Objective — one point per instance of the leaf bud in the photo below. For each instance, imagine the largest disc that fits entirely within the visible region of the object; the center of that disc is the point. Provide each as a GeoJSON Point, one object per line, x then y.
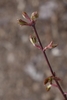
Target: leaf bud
{"type": "Point", "coordinates": [21, 22]}
{"type": "Point", "coordinates": [48, 87]}
{"type": "Point", "coordinates": [34, 16]}
{"type": "Point", "coordinates": [33, 40]}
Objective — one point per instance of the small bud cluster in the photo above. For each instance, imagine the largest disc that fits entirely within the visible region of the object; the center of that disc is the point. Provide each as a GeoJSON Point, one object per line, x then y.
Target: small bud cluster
{"type": "Point", "coordinates": [50, 81]}
{"type": "Point", "coordinates": [31, 20]}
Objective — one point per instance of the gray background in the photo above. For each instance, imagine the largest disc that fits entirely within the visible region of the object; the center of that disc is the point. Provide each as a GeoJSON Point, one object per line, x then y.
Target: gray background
{"type": "Point", "coordinates": [22, 66]}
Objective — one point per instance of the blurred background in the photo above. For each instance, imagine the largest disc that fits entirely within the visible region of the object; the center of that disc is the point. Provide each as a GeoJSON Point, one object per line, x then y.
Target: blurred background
{"type": "Point", "coordinates": [22, 66]}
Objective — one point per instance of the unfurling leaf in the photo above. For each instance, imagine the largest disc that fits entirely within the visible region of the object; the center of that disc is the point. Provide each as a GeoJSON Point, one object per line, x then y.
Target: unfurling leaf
{"type": "Point", "coordinates": [50, 46]}
{"type": "Point", "coordinates": [33, 40]}
{"type": "Point", "coordinates": [48, 79]}
{"type": "Point", "coordinates": [21, 22]}
{"type": "Point", "coordinates": [48, 87]}
{"type": "Point", "coordinates": [34, 16]}
{"type": "Point", "coordinates": [25, 15]}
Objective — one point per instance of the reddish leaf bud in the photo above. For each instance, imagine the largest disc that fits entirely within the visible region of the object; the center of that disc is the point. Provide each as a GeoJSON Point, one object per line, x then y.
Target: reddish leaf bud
{"type": "Point", "coordinates": [48, 79]}
{"type": "Point", "coordinates": [25, 15]}
{"type": "Point", "coordinates": [50, 46]}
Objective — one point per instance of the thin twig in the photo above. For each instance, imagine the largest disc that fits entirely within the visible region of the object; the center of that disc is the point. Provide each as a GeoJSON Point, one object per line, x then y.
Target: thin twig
{"type": "Point", "coordinates": [53, 73]}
